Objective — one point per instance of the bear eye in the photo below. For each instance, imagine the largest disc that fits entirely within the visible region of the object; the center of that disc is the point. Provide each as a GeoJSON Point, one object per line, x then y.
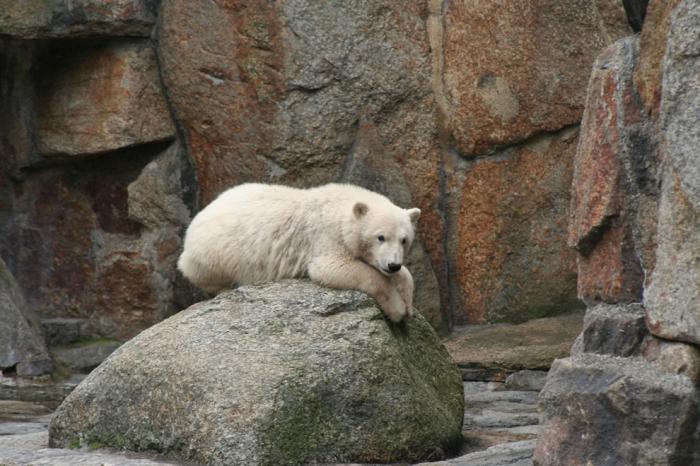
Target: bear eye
{"type": "Point", "coordinates": [403, 241]}
{"type": "Point", "coordinates": [381, 238]}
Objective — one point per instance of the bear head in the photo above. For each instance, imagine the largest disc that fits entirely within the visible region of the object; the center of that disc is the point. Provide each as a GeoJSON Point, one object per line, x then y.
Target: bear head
{"type": "Point", "coordinates": [382, 235]}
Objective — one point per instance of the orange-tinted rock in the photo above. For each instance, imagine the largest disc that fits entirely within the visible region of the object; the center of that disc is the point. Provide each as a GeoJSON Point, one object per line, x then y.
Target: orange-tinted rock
{"type": "Point", "coordinates": [99, 97]}
{"type": "Point", "coordinates": [222, 65]}
{"type": "Point", "coordinates": [511, 261]}
{"type": "Point", "coordinates": [614, 191]}
{"type": "Point", "coordinates": [512, 69]}
{"type": "Point", "coordinates": [652, 45]}
{"type": "Point", "coordinates": [40, 19]}
{"type": "Point", "coordinates": [126, 299]}
{"type": "Point", "coordinates": [597, 169]}
{"type": "Point", "coordinates": [611, 272]}
{"type": "Point", "coordinates": [274, 91]}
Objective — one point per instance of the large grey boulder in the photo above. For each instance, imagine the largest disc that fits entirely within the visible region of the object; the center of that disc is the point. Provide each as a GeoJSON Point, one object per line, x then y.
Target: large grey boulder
{"type": "Point", "coordinates": [21, 342]}
{"type": "Point", "coordinates": [607, 410]}
{"type": "Point", "coordinates": [281, 373]}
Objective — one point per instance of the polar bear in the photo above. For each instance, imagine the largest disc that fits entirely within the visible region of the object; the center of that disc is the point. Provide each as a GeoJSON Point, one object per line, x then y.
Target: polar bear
{"type": "Point", "coordinates": [339, 235]}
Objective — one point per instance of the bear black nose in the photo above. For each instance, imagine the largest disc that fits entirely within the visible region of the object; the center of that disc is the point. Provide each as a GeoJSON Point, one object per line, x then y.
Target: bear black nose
{"type": "Point", "coordinates": [394, 267]}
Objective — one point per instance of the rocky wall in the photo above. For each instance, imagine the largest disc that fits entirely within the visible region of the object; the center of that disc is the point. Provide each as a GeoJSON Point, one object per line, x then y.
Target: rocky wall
{"type": "Point", "coordinates": [129, 117]}
{"type": "Point", "coordinates": [629, 392]}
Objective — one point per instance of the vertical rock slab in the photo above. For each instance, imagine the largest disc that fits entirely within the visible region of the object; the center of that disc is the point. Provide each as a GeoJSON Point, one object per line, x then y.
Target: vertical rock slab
{"type": "Point", "coordinates": [513, 69]}
{"type": "Point", "coordinates": [95, 97]}
{"type": "Point", "coordinates": [510, 259]}
{"type": "Point", "coordinates": [673, 299]}
{"type": "Point", "coordinates": [615, 194]}
{"type": "Point", "coordinates": [22, 344]}
{"type": "Point", "coordinates": [607, 410]}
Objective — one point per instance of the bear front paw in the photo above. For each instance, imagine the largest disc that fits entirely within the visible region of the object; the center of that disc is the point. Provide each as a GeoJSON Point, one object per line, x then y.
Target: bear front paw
{"type": "Point", "coordinates": [393, 306]}
{"type": "Point", "coordinates": [403, 281]}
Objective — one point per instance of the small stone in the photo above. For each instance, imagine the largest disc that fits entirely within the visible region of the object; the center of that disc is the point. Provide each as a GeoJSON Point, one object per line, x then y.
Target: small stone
{"type": "Point", "coordinates": [512, 454]}
{"type": "Point", "coordinates": [618, 330]}
{"type": "Point", "coordinates": [526, 380]}
{"type": "Point", "coordinates": [62, 330]}
{"type": "Point", "coordinates": [37, 389]}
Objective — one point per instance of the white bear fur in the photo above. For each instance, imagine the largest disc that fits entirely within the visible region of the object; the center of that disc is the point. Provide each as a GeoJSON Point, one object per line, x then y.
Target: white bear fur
{"type": "Point", "coordinates": [257, 232]}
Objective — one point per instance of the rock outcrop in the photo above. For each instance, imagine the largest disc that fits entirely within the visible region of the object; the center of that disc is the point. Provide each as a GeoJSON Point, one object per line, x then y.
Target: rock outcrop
{"type": "Point", "coordinates": [282, 373]}
{"type": "Point", "coordinates": [629, 393]}
{"type": "Point", "coordinates": [22, 346]}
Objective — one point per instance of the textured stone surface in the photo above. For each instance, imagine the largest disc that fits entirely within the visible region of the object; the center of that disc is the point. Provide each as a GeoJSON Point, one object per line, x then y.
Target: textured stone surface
{"type": "Point", "coordinates": [617, 330]}
{"type": "Point", "coordinates": [22, 343]}
{"type": "Point", "coordinates": [76, 251]}
{"type": "Point", "coordinates": [673, 298]}
{"type": "Point", "coordinates": [155, 197]}
{"type": "Point", "coordinates": [284, 372]}
{"type": "Point", "coordinates": [607, 410]}
{"type": "Point", "coordinates": [614, 195]}
{"type": "Point", "coordinates": [652, 43]}
{"type": "Point", "coordinates": [99, 96]}
{"type": "Point", "coordinates": [681, 97]}
{"type": "Point", "coordinates": [61, 330]}
{"type": "Point", "coordinates": [532, 345]}
{"type": "Point", "coordinates": [275, 91]}
{"type": "Point", "coordinates": [85, 355]}
{"type": "Point", "coordinates": [513, 453]}
{"type": "Point", "coordinates": [526, 75]}
{"type": "Point", "coordinates": [40, 19]}
{"type": "Point", "coordinates": [509, 252]}
{"type": "Point", "coordinates": [674, 357]}
{"type": "Point", "coordinates": [526, 380]}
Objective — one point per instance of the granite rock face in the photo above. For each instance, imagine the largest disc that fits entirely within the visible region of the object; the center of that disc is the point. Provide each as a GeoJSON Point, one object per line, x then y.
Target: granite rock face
{"type": "Point", "coordinates": [287, 372]}
{"type": "Point", "coordinates": [629, 393]}
{"type": "Point", "coordinates": [510, 257]}
{"type": "Point", "coordinates": [673, 299]}
{"type": "Point", "coordinates": [507, 82]}
{"type": "Point", "coordinates": [22, 344]}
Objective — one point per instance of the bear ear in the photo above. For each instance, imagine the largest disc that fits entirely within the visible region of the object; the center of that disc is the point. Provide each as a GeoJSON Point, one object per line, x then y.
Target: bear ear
{"type": "Point", "coordinates": [414, 214]}
{"type": "Point", "coordinates": [360, 209]}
